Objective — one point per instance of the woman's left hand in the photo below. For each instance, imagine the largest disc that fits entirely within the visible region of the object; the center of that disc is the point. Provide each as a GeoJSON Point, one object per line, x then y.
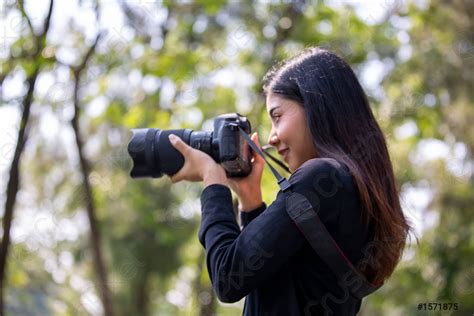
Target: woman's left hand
{"type": "Point", "coordinates": [198, 166]}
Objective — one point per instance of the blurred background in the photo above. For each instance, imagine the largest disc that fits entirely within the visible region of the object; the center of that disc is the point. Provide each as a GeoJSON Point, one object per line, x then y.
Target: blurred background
{"type": "Point", "coordinates": [80, 237]}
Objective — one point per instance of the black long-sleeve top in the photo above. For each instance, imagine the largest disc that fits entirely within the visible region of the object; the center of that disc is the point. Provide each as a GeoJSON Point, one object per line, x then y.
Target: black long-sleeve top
{"type": "Point", "coordinates": [269, 261]}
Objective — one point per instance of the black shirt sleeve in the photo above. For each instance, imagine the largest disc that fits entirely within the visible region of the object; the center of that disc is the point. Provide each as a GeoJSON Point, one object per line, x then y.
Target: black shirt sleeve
{"type": "Point", "coordinates": [240, 261]}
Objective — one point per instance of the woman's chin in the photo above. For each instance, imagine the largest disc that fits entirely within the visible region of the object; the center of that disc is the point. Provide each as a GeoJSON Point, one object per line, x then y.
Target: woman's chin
{"type": "Point", "coordinates": [291, 167]}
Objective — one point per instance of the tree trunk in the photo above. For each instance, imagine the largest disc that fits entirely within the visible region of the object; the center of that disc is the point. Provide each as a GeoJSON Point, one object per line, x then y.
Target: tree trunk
{"type": "Point", "coordinates": [142, 298]}
{"type": "Point", "coordinates": [101, 272]}
{"type": "Point", "coordinates": [95, 233]}
{"type": "Point", "coordinates": [14, 174]}
{"type": "Point", "coordinates": [14, 183]}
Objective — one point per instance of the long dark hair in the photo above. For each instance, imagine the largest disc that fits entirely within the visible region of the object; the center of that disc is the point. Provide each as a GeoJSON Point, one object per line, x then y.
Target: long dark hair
{"type": "Point", "coordinates": [343, 127]}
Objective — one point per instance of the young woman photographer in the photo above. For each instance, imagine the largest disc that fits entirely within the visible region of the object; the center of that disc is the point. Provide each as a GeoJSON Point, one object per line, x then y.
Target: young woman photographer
{"type": "Point", "coordinates": [324, 129]}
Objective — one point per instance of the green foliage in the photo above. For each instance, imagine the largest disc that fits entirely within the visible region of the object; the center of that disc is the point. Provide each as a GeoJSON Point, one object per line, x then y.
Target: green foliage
{"type": "Point", "coordinates": [159, 69]}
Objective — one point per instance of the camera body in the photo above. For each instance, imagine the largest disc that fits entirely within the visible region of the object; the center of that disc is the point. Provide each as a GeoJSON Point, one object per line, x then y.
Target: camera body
{"type": "Point", "coordinates": [233, 151]}
{"type": "Point", "coordinates": [153, 155]}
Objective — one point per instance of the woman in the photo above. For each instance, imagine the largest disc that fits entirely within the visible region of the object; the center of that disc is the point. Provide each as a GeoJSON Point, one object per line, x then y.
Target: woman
{"type": "Point", "coordinates": [324, 129]}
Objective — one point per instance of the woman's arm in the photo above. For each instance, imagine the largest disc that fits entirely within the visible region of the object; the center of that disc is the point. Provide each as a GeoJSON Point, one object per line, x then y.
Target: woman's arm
{"type": "Point", "coordinates": [238, 262]}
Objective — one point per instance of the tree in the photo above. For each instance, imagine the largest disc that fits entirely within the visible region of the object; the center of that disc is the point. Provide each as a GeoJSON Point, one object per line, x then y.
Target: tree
{"type": "Point", "coordinates": [176, 65]}
{"type": "Point", "coordinates": [32, 69]}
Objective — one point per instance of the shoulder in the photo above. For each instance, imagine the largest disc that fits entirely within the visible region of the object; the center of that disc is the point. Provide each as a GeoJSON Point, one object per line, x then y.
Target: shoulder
{"type": "Point", "coordinates": [326, 178]}
{"type": "Point", "coordinates": [317, 169]}
{"type": "Point", "coordinates": [319, 164]}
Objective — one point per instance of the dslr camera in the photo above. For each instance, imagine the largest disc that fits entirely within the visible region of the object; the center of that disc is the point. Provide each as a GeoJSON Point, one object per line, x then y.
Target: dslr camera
{"type": "Point", "coordinates": [153, 155]}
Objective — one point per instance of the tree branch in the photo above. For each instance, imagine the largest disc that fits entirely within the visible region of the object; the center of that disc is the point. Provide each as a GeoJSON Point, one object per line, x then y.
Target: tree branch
{"type": "Point", "coordinates": [26, 17]}
{"type": "Point", "coordinates": [47, 21]}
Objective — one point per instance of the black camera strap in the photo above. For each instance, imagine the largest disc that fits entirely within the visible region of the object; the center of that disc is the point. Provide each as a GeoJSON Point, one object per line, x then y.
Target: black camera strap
{"type": "Point", "coordinates": [308, 222]}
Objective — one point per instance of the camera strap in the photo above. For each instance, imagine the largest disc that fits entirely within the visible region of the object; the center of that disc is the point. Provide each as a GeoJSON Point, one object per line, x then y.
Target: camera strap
{"type": "Point", "coordinates": [308, 222]}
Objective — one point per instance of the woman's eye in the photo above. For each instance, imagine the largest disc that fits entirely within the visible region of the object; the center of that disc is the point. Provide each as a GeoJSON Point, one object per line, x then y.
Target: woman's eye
{"type": "Point", "coordinates": [276, 117]}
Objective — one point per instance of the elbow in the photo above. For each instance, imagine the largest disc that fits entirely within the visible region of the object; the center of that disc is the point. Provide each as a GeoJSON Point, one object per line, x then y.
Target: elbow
{"type": "Point", "coordinates": [226, 296]}
{"type": "Point", "coordinates": [227, 289]}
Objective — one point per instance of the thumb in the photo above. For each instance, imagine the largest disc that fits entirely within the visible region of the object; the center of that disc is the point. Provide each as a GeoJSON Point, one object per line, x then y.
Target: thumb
{"type": "Point", "coordinates": [254, 138]}
{"type": "Point", "coordinates": [178, 143]}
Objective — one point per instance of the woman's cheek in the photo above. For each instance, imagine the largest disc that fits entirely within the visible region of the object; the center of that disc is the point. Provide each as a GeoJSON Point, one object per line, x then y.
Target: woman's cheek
{"type": "Point", "coordinates": [285, 130]}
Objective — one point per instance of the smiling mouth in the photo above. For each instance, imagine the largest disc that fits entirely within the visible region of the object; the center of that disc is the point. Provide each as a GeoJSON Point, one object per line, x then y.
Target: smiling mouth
{"type": "Point", "coordinates": [284, 153]}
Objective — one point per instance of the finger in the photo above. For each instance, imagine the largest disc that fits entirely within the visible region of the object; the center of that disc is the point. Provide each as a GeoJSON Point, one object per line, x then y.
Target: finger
{"type": "Point", "coordinates": [176, 177]}
{"type": "Point", "coordinates": [178, 143]}
{"type": "Point", "coordinates": [254, 138]}
{"type": "Point", "coordinates": [258, 159]}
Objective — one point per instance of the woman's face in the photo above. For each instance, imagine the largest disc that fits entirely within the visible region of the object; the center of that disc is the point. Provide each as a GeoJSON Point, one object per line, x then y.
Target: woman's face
{"type": "Point", "coordinates": [290, 134]}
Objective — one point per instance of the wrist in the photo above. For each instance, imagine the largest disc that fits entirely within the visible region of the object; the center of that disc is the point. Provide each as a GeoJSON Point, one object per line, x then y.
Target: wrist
{"type": "Point", "coordinates": [214, 175]}
{"type": "Point", "coordinates": [250, 205]}
{"type": "Point", "coordinates": [249, 198]}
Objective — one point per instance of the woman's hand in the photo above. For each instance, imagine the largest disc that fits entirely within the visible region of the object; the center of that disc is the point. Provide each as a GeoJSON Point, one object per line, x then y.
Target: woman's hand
{"type": "Point", "coordinates": [198, 166]}
{"type": "Point", "coordinates": [248, 189]}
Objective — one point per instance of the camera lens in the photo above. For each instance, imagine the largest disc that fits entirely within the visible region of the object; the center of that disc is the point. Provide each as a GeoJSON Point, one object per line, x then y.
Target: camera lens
{"type": "Point", "coordinates": [203, 142]}
{"type": "Point", "coordinates": [153, 155]}
{"type": "Point", "coordinates": [141, 149]}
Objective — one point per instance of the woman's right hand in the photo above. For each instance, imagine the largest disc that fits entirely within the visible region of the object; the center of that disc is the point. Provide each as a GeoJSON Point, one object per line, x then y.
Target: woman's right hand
{"type": "Point", "coordinates": [248, 189]}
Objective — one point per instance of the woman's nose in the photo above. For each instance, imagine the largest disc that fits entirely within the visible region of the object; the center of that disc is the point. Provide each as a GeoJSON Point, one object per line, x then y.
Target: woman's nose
{"type": "Point", "coordinates": [273, 139]}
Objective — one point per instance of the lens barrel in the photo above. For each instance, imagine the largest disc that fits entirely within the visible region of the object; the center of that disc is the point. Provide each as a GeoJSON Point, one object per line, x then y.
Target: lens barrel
{"type": "Point", "coordinates": [153, 155]}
